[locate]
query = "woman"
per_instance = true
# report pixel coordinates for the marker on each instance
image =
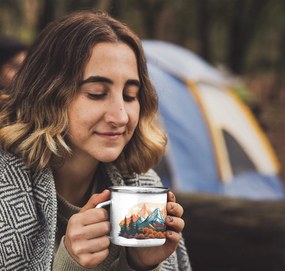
(81, 119)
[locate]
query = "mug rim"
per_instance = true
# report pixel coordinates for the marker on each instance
(139, 189)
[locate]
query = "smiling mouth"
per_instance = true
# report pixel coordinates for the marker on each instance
(110, 136)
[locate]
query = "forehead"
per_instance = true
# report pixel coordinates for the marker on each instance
(109, 57)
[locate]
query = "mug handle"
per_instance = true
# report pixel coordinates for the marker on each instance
(103, 204)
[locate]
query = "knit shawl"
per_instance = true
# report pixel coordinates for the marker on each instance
(28, 214)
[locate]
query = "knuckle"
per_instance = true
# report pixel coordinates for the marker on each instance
(170, 207)
(103, 244)
(93, 197)
(182, 224)
(182, 211)
(97, 258)
(103, 255)
(106, 242)
(76, 249)
(73, 220)
(106, 253)
(107, 227)
(85, 261)
(74, 235)
(176, 236)
(102, 214)
(170, 219)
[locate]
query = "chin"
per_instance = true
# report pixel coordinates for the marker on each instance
(108, 158)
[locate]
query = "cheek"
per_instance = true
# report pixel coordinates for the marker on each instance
(80, 113)
(77, 120)
(79, 124)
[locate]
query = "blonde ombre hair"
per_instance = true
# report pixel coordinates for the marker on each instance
(34, 120)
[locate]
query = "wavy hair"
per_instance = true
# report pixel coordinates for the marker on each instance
(34, 120)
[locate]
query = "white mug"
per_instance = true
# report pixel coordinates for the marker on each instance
(137, 215)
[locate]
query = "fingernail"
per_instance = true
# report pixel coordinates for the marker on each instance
(169, 232)
(170, 218)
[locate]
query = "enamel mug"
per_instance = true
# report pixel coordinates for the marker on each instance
(137, 215)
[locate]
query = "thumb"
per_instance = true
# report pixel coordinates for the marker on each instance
(96, 199)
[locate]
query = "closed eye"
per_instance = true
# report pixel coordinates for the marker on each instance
(131, 90)
(129, 98)
(93, 96)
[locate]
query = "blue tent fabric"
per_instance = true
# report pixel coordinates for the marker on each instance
(193, 159)
(191, 155)
(181, 62)
(254, 186)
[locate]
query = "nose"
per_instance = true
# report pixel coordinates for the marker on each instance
(117, 114)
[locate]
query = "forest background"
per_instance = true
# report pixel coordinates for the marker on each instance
(244, 38)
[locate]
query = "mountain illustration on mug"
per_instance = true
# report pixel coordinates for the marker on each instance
(144, 221)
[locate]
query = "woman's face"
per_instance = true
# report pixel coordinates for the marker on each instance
(105, 113)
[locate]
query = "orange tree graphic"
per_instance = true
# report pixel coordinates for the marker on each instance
(129, 229)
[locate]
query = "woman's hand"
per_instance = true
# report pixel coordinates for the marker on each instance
(86, 238)
(151, 256)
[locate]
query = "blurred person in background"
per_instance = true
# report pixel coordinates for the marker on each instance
(12, 55)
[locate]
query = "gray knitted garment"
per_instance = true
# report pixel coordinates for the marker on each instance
(28, 214)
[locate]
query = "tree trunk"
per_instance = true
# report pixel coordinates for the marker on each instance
(47, 14)
(278, 86)
(150, 11)
(243, 27)
(203, 28)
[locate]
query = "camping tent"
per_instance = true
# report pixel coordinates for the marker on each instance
(215, 144)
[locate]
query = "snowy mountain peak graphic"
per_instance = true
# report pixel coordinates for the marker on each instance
(154, 219)
(144, 211)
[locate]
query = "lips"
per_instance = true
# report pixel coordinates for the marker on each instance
(110, 135)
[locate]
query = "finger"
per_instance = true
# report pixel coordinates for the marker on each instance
(171, 197)
(174, 209)
(172, 238)
(172, 241)
(91, 216)
(99, 244)
(91, 246)
(97, 230)
(91, 260)
(175, 223)
(89, 232)
(96, 199)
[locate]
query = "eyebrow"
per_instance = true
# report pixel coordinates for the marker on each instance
(94, 79)
(133, 82)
